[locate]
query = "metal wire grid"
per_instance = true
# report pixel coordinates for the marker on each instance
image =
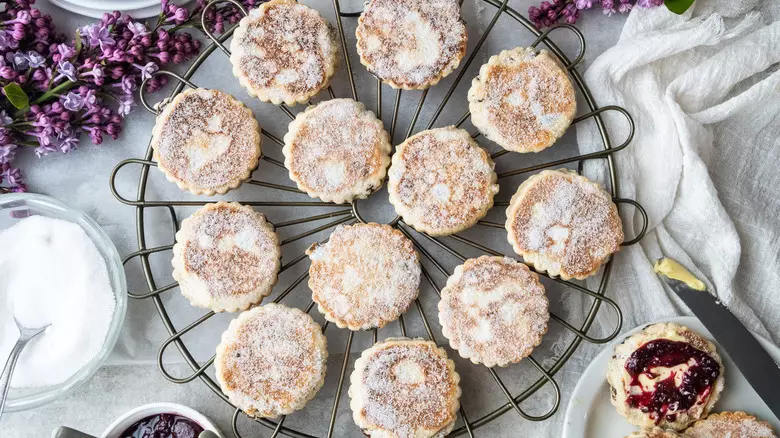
(352, 215)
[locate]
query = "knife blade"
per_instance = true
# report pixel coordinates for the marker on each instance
(753, 361)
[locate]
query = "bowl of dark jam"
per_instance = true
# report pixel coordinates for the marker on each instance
(156, 420)
(167, 425)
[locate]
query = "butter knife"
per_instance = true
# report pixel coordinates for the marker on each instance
(756, 365)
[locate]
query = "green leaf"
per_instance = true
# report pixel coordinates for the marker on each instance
(77, 41)
(678, 6)
(16, 96)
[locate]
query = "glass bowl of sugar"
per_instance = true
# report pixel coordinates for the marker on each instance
(57, 267)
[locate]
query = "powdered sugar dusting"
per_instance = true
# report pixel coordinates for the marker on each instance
(230, 249)
(523, 101)
(365, 276)
(286, 50)
(406, 388)
(337, 150)
(442, 180)
(411, 43)
(207, 139)
(272, 360)
(494, 310)
(566, 218)
(730, 425)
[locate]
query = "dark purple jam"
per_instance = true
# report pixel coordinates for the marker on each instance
(696, 384)
(163, 426)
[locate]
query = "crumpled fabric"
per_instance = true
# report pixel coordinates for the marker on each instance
(704, 91)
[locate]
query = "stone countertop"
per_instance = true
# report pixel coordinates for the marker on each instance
(131, 378)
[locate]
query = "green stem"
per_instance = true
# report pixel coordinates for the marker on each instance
(18, 124)
(189, 24)
(67, 85)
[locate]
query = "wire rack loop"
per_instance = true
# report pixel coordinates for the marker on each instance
(515, 404)
(157, 107)
(642, 212)
(154, 292)
(143, 252)
(117, 168)
(178, 335)
(580, 38)
(205, 28)
(606, 152)
(234, 425)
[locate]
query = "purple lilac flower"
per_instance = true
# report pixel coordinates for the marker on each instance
(66, 70)
(72, 102)
(66, 51)
(549, 13)
(96, 74)
(90, 99)
(147, 70)
(7, 153)
(22, 17)
(584, 4)
(126, 104)
(11, 174)
(97, 35)
(4, 119)
(44, 148)
(67, 142)
(19, 60)
(35, 59)
(138, 29)
(6, 41)
(609, 7)
(127, 84)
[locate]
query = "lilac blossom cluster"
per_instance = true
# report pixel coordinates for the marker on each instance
(552, 12)
(56, 90)
(219, 18)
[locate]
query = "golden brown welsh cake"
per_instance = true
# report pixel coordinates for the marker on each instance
(522, 99)
(206, 141)
(365, 276)
(271, 360)
(564, 224)
(441, 182)
(284, 52)
(226, 257)
(493, 310)
(411, 44)
(405, 387)
(337, 151)
(730, 425)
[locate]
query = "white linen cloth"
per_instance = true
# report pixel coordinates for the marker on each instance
(704, 163)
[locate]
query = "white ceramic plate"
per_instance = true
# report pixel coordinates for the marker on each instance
(143, 12)
(591, 415)
(134, 8)
(110, 5)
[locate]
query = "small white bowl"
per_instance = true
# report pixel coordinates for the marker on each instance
(15, 207)
(132, 416)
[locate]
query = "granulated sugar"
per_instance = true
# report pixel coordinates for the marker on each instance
(52, 273)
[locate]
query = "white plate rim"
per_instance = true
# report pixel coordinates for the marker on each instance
(144, 12)
(575, 427)
(121, 5)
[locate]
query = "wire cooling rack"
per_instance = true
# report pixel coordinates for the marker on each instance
(350, 214)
